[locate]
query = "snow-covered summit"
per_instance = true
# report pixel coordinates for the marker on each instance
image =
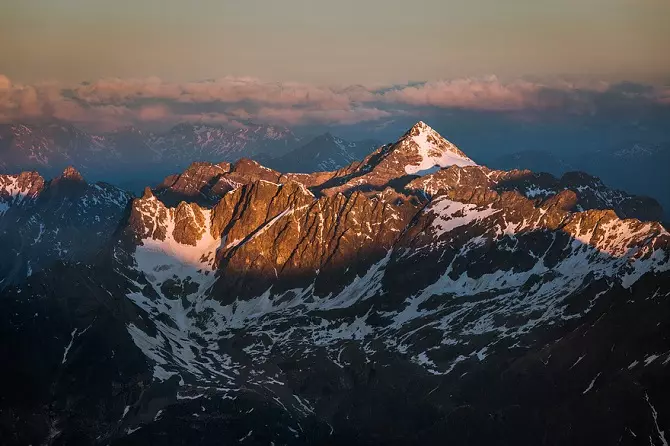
(432, 150)
(420, 151)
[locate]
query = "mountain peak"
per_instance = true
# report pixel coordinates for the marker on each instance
(430, 149)
(70, 173)
(148, 193)
(419, 126)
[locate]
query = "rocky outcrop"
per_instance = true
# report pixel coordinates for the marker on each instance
(200, 182)
(14, 188)
(148, 219)
(70, 174)
(206, 183)
(189, 223)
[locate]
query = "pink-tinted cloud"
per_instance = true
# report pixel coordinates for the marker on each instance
(108, 103)
(122, 101)
(467, 93)
(154, 113)
(5, 83)
(490, 94)
(225, 90)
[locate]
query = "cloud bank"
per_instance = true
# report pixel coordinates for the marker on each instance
(111, 103)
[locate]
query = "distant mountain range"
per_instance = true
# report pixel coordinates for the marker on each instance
(132, 158)
(52, 147)
(129, 156)
(410, 297)
(324, 153)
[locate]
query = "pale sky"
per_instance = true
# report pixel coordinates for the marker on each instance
(334, 41)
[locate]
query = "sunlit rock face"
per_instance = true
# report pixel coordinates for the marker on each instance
(235, 303)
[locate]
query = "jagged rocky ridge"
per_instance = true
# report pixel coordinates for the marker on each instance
(633, 166)
(463, 304)
(65, 219)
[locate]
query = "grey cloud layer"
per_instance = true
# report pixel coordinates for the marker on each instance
(109, 103)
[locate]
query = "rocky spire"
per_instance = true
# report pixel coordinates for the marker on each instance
(71, 174)
(148, 193)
